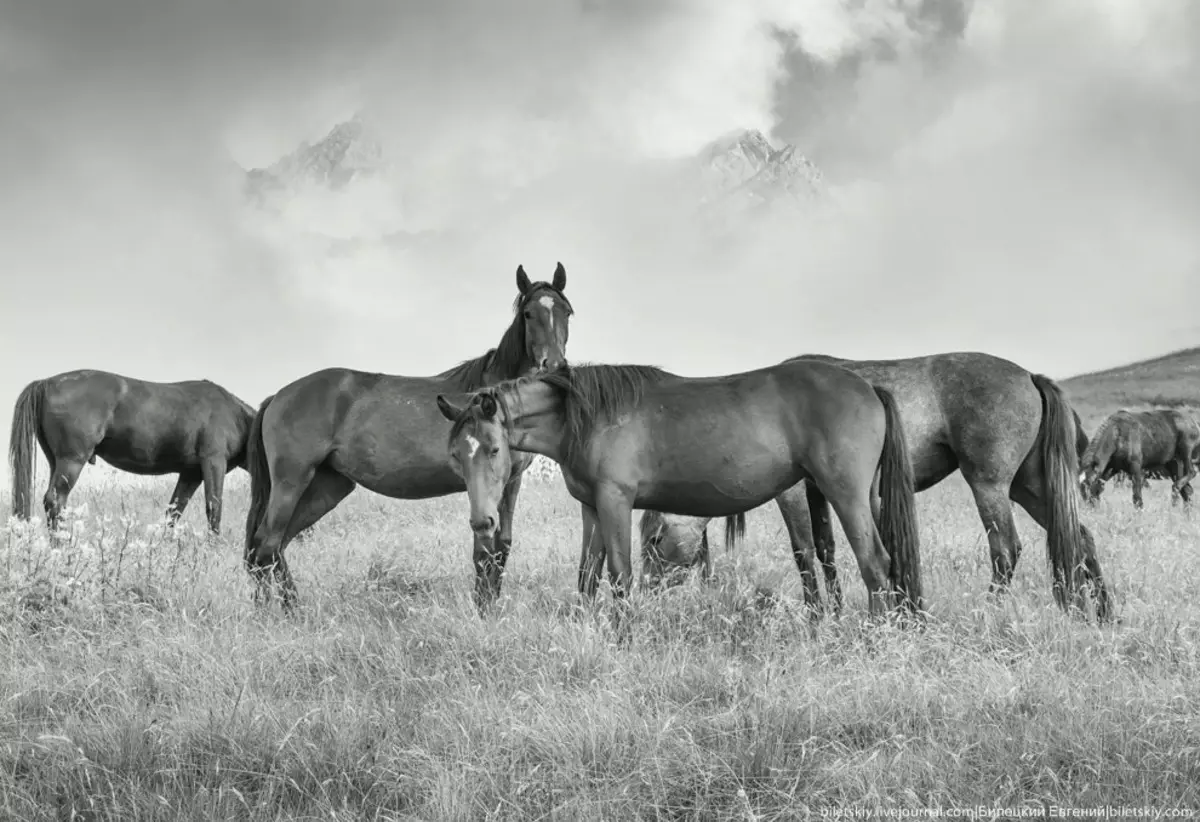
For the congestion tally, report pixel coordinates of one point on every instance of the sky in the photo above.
(1012, 176)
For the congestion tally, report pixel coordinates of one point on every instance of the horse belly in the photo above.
(413, 478)
(138, 454)
(732, 475)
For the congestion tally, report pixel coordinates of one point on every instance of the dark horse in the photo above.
(1163, 442)
(196, 429)
(632, 436)
(317, 438)
(1011, 433)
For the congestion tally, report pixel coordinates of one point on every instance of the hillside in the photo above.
(1170, 380)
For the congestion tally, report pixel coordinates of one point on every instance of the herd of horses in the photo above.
(813, 433)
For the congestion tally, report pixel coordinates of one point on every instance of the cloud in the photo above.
(1008, 175)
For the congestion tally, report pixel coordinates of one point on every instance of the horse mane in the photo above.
(648, 525)
(508, 357)
(1103, 436)
(596, 394)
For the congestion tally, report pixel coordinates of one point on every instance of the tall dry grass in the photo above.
(139, 682)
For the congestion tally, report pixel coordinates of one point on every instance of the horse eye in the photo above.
(528, 314)
(495, 450)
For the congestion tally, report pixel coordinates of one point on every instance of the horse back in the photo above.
(959, 408)
(382, 431)
(140, 425)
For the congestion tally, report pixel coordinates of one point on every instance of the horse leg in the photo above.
(794, 508)
(995, 511)
(1185, 472)
(185, 487)
(324, 492)
(63, 477)
(213, 470)
(491, 554)
(821, 522)
(264, 557)
(705, 557)
(592, 553)
(874, 562)
(614, 522)
(615, 532)
(1032, 498)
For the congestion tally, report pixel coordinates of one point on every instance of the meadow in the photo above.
(140, 682)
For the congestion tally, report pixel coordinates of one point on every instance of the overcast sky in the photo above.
(1014, 176)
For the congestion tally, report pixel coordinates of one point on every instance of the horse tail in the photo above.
(26, 422)
(1081, 437)
(1060, 470)
(898, 506)
(735, 529)
(260, 475)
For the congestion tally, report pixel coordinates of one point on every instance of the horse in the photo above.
(316, 439)
(1161, 442)
(1011, 432)
(196, 429)
(636, 436)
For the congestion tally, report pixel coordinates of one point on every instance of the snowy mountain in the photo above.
(346, 153)
(745, 165)
(737, 175)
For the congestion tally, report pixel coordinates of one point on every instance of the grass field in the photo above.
(140, 682)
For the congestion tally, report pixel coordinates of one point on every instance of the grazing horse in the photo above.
(1011, 433)
(1162, 442)
(633, 436)
(316, 439)
(196, 429)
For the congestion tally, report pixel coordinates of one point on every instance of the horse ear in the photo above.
(487, 406)
(560, 278)
(447, 408)
(523, 283)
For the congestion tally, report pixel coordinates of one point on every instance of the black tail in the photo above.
(898, 507)
(735, 529)
(1058, 441)
(27, 419)
(260, 476)
(1081, 437)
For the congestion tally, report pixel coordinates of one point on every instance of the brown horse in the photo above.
(1011, 433)
(631, 436)
(1163, 442)
(322, 435)
(196, 429)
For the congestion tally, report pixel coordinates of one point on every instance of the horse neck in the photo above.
(510, 358)
(537, 420)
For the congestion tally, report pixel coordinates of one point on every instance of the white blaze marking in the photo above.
(472, 445)
(548, 302)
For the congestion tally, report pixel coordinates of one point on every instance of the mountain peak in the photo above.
(346, 152)
(746, 164)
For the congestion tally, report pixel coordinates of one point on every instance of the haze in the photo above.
(1013, 176)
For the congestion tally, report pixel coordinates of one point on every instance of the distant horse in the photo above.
(317, 438)
(196, 429)
(1162, 442)
(633, 436)
(1011, 433)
